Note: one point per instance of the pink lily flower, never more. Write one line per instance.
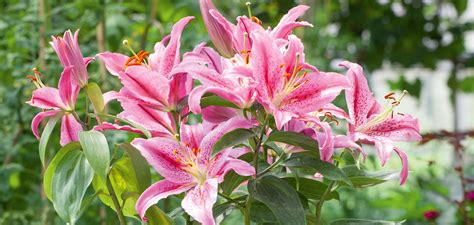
(371, 124)
(152, 83)
(69, 53)
(239, 36)
(218, 75)
(187, 166)
(58, 101)
(287, 86)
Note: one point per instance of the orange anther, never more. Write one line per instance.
(256, 20)
(32, 78)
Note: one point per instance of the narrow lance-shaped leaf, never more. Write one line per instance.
(48, 129)
(96, 151)
(328, 170)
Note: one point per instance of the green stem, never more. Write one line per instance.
(117, 207)
(228, 198)
(319, 206)
(177, 121)
(274, 164)
(255, 164)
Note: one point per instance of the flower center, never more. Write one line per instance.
(189, 159)
(292, 81)
(385, 114)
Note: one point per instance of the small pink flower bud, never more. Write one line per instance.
(431, 215)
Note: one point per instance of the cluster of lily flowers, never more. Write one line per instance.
(253, 66)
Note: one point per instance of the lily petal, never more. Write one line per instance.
(404, 158)
(171, 55)
(398, 128)
(192, 135)
(198, 202)
(70, 129)
(114, 62)
(360, 101)
(212, 137)
(67, 88)
(145, 86)
(40, 117)
(160, 153)
(266, 60)
(159, 190)
(46, 98)
(288, 22)
(197, 93)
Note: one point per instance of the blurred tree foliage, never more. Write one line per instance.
(404, 33)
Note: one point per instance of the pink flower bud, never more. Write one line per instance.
(431, 215)
(469, 196)
(219, 29)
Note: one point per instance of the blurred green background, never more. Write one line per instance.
(425, 47)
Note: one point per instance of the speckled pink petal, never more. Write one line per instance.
(164, 155)
(114, 62)
(40, 117)
(157, 191)
(70, 129)
(288, 22)
(198, 202)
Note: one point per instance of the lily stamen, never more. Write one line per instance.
(387, 113)
(137, 58)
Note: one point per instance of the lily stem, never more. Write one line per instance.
(117, 206)
(319, 205)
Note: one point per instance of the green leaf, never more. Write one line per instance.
(157, 217)
(125, 182)
(96, 151)
(280, 198)
(48, 129)
(69, 183)
(232, 138)
(310, 188)
(261, 214)
(231, 181)
(48, 175)
(467, 84)
(216, 101)
(140, 166)
(362, 178)
(95, 95)
(295, 139)
(364, 222)
(328, 170)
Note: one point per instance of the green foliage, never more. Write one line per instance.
(96, 151)
(71, 178)
(280, 198)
